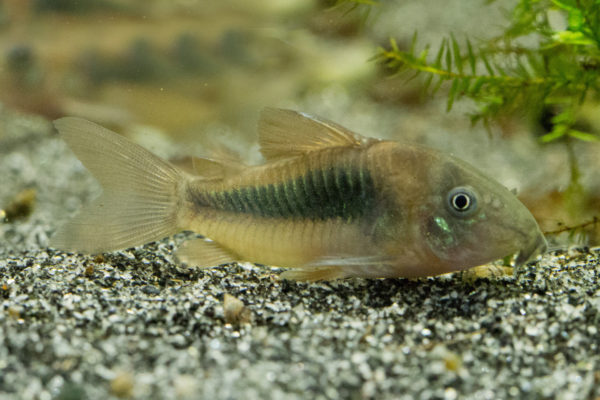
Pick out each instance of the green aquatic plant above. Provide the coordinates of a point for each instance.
(559, 72)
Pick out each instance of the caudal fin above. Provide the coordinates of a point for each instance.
(140, 200)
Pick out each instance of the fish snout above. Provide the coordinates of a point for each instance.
(534, 248)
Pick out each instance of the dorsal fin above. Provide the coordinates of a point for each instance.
(286, 133)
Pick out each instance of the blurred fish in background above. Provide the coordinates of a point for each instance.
(179, 66)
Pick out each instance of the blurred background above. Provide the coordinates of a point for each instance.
(183, 74)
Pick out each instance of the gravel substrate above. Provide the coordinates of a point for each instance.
(132, 324)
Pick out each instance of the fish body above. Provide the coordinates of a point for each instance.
(328, 204)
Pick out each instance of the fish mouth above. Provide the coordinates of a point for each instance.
(534, 249)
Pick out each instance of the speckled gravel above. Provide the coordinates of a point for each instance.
(132, 324)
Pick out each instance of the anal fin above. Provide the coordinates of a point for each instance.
(202, 253)
(313, 274)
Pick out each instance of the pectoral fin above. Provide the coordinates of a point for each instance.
(202, 253)
(338, 267)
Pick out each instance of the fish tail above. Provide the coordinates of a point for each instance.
(141, 199)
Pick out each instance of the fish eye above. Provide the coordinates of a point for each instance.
(462, 201)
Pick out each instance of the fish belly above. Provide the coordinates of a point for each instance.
(282, 242)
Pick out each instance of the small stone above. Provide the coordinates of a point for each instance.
(89, 270)
(592, 330)
(186, 386)
(532, 330)
(235, 311)
(150, 290)
(450, 394)
(122, 385)
(21, 206)
(452, 361)
(14, 311)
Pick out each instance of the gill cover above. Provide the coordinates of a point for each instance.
(471, 219)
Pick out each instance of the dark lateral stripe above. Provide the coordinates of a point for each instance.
(228, 200)
(319, 194)
(252, 199)
(271, 203)
(300, 196)
(280, 201)
(315, 181)
(240, 206)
